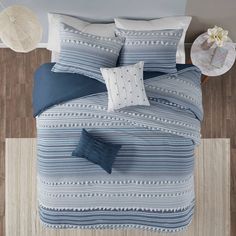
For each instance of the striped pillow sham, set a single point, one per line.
(85, 53)
(157, 48)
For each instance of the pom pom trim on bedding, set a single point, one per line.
(152, 184)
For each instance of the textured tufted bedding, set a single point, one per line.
(152, 184)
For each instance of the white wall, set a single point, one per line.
(207, 13)
(103, 9)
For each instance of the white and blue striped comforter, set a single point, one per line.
(151, 186)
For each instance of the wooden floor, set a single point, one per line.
(16, 72)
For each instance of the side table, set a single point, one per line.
(202, 58)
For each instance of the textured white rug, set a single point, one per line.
(212, 184)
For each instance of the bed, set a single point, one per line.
(152, 184)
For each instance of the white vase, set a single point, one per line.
(206, 46)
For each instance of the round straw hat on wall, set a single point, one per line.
(20, 29)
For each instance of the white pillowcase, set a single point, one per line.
(125, 86)
(55, 56)
(54, 20)
(178, 22)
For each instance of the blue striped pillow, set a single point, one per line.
(157, 48)
(96, 151)
(85, 53)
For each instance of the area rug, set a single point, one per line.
(212, 186)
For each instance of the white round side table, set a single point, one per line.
(202, 58)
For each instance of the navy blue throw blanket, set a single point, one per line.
(52, 88)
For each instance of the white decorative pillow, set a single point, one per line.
(178, 22)
(125, 86)
(54, 20)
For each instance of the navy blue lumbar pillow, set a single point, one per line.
(96, 151)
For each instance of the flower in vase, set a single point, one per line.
(217, 35)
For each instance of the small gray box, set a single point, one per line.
(219, 56)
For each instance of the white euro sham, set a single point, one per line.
(54, 20)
